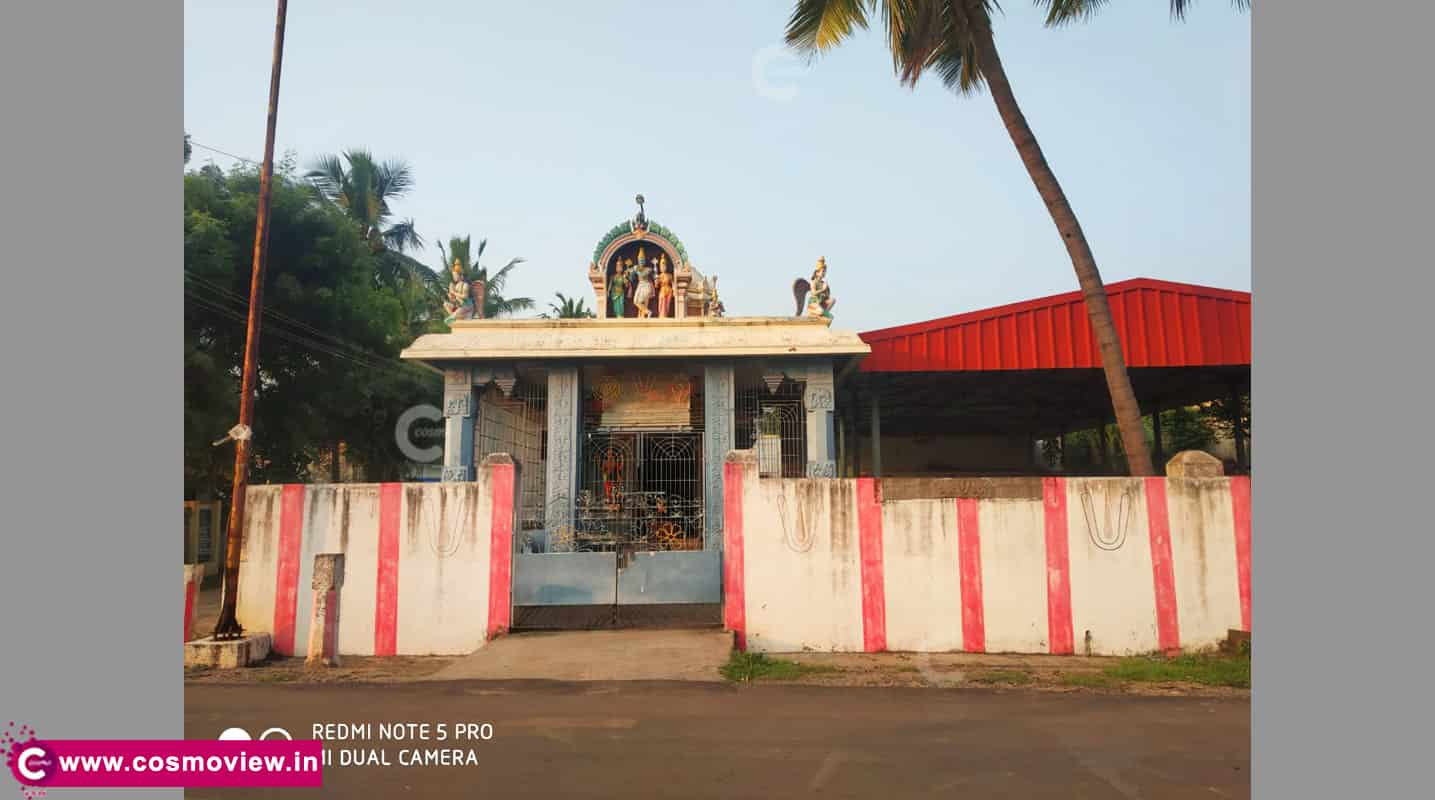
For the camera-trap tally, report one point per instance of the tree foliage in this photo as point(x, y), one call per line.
point(330, 334)
point(568, 308)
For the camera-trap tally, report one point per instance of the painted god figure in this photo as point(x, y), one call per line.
point(459, 302)
point(643, 291)
point(817, 294)
point(665, 288)
point(615, 291)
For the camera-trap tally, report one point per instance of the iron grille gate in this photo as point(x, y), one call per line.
point(633, 553)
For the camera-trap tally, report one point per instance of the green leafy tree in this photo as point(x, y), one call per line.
point(495, 304)
point(568, 308)
point(955, 38)
point(328, 367)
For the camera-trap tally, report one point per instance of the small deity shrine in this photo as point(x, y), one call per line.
point(620, 424)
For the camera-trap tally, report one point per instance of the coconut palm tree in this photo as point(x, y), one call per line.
point(364, 188)
point(494, 303)
point(568, 308)
point(955, 39)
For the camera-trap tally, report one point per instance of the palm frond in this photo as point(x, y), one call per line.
point(1062, 12)
point(817, 26)
point(327, 174)
point(393, 179)
point(402, 236)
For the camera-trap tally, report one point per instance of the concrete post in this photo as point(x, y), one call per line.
point(459, 409)
point(819, 402)
point(718, 423)
point(324, 628)
point(193, 577)
point(564, 417)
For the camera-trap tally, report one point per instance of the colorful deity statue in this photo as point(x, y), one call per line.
point(612, 466)
point(665, 288)
point(460, 303)
point(615, 290)
point(643, 291)
point(817, 294)
point(714, 306)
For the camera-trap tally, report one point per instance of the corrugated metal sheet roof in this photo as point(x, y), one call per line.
point(1161, 324)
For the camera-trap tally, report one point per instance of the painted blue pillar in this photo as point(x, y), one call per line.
point(718, 405)
point(459, 409)
point(819, 402)
point(564, 416)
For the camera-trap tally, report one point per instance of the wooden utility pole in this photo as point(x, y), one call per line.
point(228, 626)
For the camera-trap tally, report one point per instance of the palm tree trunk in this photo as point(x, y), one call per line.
point(1123, 397)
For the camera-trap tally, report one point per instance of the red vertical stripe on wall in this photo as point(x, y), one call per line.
point(874, 584)
point(1058, 561)
point(386, 595)
point(286, 581)
point(969, 547)
point(1241, 505)
point(734, 612)
point(1168, 627)
point(189, 590)
point(500, 549)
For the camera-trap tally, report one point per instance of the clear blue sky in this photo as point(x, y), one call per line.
point(534, 124)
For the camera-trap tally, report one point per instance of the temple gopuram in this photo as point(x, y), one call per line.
point(620, 424)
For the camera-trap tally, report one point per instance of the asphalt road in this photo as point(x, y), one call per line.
point(688, 740)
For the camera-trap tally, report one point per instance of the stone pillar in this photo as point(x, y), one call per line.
point(193, 577)
point(718, 422)
point(1194, 464)
point(459, 409)
point(564, 416)
point(324, 627)
point(819, 403)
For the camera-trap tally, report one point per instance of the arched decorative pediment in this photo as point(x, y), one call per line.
point(654, 250)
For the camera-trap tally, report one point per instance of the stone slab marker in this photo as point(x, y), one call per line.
point(324, 629)
point(1194, 464)
point(193, 577)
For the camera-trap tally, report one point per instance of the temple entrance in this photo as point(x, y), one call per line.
point(630, 549)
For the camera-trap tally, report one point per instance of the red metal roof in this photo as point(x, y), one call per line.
point(1161, 324)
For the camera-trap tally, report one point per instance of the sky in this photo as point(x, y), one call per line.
point(534, 125)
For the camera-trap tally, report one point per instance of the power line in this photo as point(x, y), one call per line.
point(281, 328)
point(193, 143)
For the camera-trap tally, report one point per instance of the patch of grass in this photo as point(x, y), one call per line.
point(1001, 677)
point(1209, 669)
point(745, 667)
point(1090, 680)
point(276, 677)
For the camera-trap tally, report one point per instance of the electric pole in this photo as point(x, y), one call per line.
point(228, 625)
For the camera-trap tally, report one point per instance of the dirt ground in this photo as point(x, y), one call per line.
point(1000, 672)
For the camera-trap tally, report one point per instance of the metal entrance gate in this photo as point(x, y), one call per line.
point(632, 550)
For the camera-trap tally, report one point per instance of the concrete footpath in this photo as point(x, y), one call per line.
point(711, 740)
point(655, 655)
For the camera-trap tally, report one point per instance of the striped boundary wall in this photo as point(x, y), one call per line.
point(1107, 566)
point(427, 565)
